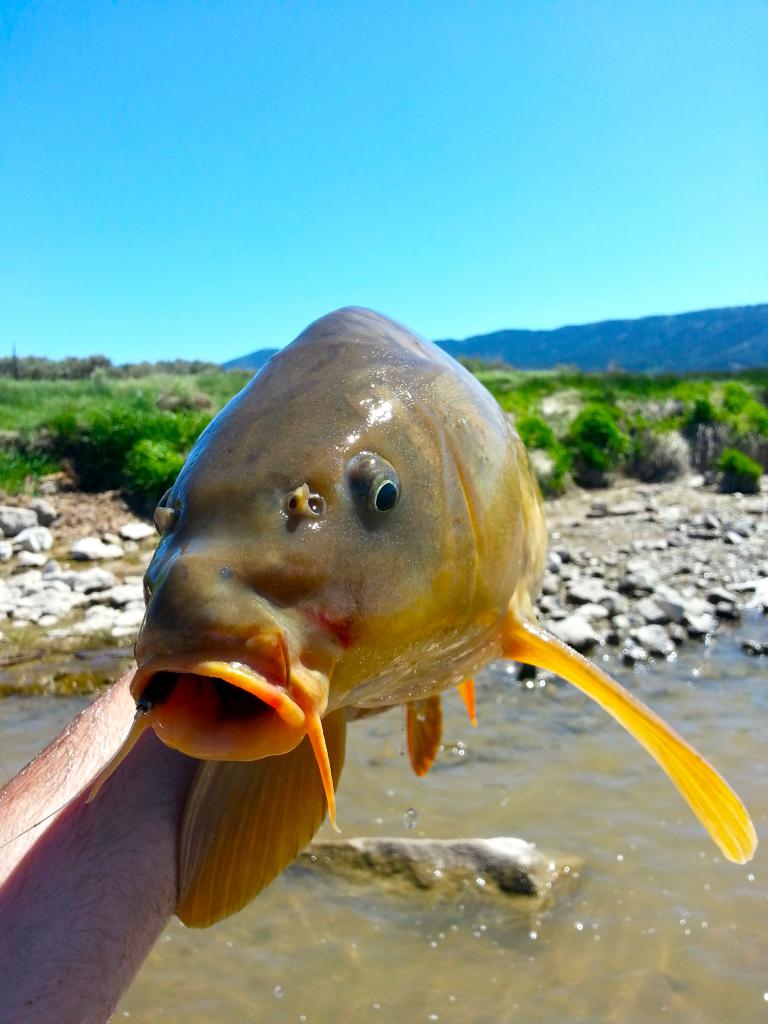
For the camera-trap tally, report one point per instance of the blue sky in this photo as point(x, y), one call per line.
point(198, 180)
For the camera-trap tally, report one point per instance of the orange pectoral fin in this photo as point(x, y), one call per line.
point(424, 729)
point(712, 800)
point(467, 691)
point(245, 821)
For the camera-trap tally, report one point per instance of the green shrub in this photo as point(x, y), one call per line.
point(99, 441)
point(735, 397)
point(18, 468)
point(702, 413)
point(150, 469)
point(535, 432)
point(597, 445)
point(739, 472)
point(551, 471)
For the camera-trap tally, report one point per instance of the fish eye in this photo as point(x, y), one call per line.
point(374, 481)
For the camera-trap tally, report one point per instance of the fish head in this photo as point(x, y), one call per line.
point(319, 528)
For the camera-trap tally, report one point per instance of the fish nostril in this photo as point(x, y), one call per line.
point(302, 503)
point(316, 504)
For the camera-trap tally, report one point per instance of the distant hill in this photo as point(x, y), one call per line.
point(712, 339)
point(254, 361)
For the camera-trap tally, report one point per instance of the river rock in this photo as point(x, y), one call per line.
point(760, 597)
point(6, 551)
point(123, 594)
point(593, 612)
point(699, 624)
point(633, 654)
point(136, 531)
point(504, 864)
point(34, 539)
point(718, 595)
point(28, 558)
point(626, 508)
point(44, 510)
point(651, 612)
point(639, 582)
point(576, 631)
point(671, 602)
point(89, 579)
point(587, 591)
point(654, 639)
point(13, 520)
point(550, 584)
point(93, 548)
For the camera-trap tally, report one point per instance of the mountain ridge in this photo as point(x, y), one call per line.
point(728, 338)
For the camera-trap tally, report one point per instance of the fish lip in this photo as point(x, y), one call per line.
point(239, 672)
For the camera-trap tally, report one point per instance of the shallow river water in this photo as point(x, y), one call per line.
point(653, 926)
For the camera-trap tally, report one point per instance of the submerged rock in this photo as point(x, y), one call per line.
point(503, 864)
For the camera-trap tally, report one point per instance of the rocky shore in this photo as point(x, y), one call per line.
point(647, 568)
point(643, 568)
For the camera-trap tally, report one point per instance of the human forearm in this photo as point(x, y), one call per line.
point(85, 899)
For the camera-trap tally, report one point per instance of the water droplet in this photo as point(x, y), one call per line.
point(411, 818)
point(277, 991)
point(579, 926)
point(533, 935)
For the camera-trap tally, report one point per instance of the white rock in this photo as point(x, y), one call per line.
point(760, 597)
point(503, 864)
point(593, 612)
point(123, 594)
point(51, 570)
point(654, 639)
point(652, 612)
point(46, 513)
point(6, 550)
point(699, 624)
point(93, 548)
point(626, 508)
point(34, 539)
point(136, 531)
point(13, 520)
point(28, 558)
point(587, 591)
point(575, 631)
point(89, 580)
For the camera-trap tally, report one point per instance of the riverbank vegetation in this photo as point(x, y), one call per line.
point(130, 428)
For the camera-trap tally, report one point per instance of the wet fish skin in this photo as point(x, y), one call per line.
point(276, 575)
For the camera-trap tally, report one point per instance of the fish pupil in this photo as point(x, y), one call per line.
point(386, 496)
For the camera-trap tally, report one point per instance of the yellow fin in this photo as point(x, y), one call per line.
point(424, 729)
point(712, 800)
point(467, 691)
point(245, 821)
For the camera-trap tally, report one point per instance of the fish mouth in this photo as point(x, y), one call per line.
point(217, 709)
point(220, 710)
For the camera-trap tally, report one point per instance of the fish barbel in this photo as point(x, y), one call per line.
point(359, 527)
